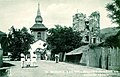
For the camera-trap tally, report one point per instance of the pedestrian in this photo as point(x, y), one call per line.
point(9, 55)
point(28, 60)
point(34, 59)
point(57, 58)
point(46, 57)
point(22, 60)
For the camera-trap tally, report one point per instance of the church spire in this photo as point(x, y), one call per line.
point(38, 18)
point(38, 11)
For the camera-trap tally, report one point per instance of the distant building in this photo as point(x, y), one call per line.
point(38, 30)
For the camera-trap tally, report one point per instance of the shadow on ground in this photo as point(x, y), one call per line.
point(5, 64)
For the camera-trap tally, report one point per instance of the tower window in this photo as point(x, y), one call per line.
point(94, 40)
point(87, 38)
point(92, 29)
point(39, 35)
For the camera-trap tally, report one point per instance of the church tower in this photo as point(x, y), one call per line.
point(38, 30)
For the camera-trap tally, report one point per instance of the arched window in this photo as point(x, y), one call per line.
point(39, 35)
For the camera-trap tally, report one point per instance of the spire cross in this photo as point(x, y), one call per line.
point(38, 12)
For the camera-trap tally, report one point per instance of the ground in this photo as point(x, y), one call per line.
point(61, 69)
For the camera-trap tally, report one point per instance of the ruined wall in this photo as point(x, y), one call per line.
point(79, 22)
point(88, 26)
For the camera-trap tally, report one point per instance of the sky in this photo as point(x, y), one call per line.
point(22, 13)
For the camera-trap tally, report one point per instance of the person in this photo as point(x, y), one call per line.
point(9, 55)
point(34, 57)
point(57, 58)
point(46, 57)
point(22, 60)
point(28, 60)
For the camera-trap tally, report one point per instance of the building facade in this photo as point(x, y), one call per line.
point(38, 30)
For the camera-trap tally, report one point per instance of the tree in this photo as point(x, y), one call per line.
point(27, 39)
point(63, 39)
point(19, 42)
point(3, 41)
point(114, 9)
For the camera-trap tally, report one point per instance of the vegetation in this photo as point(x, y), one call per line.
point(19, 42)
point(114, 9)
point(3, 41)
point(63, 39)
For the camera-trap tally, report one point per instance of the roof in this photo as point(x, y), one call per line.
point(38, 26)
point(78, 50)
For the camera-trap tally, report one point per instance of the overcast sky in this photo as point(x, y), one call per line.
point(19, 13)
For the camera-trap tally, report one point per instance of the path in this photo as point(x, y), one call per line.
point(61, 69)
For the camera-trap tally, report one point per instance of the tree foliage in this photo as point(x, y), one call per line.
point(114, 9)
point(3, 41)
point(19, 42)
point(63, 39)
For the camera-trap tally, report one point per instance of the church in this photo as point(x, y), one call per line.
point(38, 30)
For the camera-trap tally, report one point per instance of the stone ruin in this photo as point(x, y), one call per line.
point(89, 26)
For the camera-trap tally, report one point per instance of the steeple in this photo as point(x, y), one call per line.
point(38, 30)
point(38, 18)
point(38, 11)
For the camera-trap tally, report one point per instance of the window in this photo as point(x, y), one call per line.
point(92, 29)
point(94, 40)
point(39, 35)
point(87, 38)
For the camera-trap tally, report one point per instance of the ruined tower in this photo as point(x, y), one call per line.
point(88, 26)
point(78, 22)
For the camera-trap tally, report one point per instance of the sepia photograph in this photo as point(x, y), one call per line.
point(59, 38)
